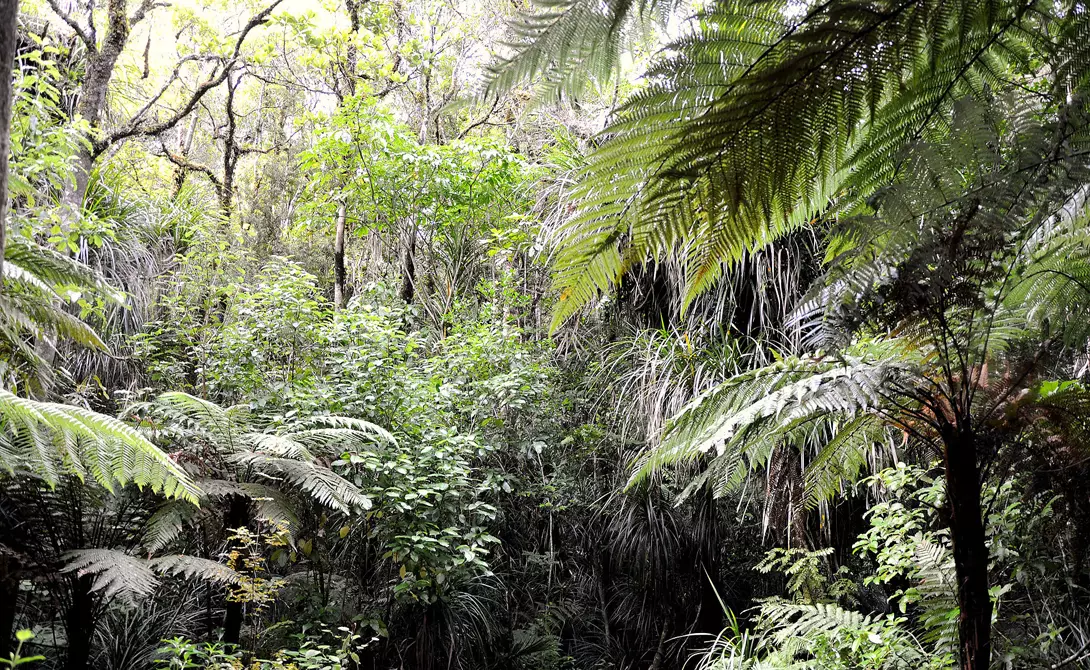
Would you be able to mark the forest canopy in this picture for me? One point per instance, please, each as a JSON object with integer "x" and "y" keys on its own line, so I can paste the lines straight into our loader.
{"x": 544, "y": 335}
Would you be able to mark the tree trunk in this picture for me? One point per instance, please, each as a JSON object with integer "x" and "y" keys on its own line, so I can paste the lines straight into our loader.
{"x": 408, "y": 267}
{"x": 238, "y": 516}
{"x": 92, "y": 102}
{"x": 963, "y": 489}
{"x": 9, "y": 21}
{"x": 80, "y": 624}
{"x": 9, "y": 602}
{"x": 710, "y": 618}
{"x": 339, "y": 276}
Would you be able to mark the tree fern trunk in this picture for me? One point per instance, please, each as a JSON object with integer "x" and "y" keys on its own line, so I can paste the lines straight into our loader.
{"x": 238, "y": 514}
{"x": 408, "y": 266}
{"x": 963, "y": 487}
{"x": 340, "y": 284}
{"x": 9, "y": 22}
{"x": 80, "y": 624}
{"x": 9, "y": 600}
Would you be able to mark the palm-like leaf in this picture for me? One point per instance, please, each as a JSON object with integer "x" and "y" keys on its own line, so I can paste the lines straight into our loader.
{"x": 118, "y": 574}
{"x": 37, "y": 282}
{"x": 560, "y": 39}
{"x": 49, "y": 440}
{"x": 763, "y": 116}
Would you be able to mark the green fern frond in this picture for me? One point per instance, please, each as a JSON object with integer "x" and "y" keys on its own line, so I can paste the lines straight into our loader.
{"x": 324, "y": 485}
{"x": 269, "y": 503}
{"x": 225, "y": 425}
{"x": 559, "y": 39}
{"x": 763, "y": 119}
{"x": 192, "y": 567}
{"x": 167, "y": 524}
{"x": 115, "y": 572}
{"x": 50, "y": 439}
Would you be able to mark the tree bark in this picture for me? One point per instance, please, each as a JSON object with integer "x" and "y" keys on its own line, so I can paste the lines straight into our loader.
{"x": 238, "y": 516}
{"x": 408, "y": 267}
{"x": 9, "y": 20}
{"x": 339, "y": 275}
{"x": 9, "y": 602}
{"x": 80, "y": 624}
{"x": 92, "y": 101}
{"x": 963, "y": 489}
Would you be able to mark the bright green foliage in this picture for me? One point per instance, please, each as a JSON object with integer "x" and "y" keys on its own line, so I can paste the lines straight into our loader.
{"x": 765, "y": 115}
{"x": 16, "y": 659}
{"x": 432, "y": 512}
{"x": 51, "y": 440}
{"x": 181, "y": 654}
{"x": 455, "y": 197}
{"x": 560, "y": 39}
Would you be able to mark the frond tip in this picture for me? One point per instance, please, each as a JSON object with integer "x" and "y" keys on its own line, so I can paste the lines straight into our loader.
{"x": 47, "y": 440}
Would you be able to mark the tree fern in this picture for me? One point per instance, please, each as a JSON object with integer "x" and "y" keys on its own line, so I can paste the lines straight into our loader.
{"x": 265, "y": 467}
{"x": 49, "y": 440}
{"x": 564, "y": 43}
{"x": 762, "y": 118}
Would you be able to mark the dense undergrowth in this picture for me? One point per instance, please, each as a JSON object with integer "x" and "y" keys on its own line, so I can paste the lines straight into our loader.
{"x": 356, "y": 337}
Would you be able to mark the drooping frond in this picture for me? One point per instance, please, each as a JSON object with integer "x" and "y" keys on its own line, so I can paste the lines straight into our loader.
{"x": 269, "y": 503}
{"x": 763, "y": 117}
{"x": 192, "y": 567}
{"x": 331, "y": 421}
{"x": 937, "y": 589}
{"x": 167, "y": 523}
{"x": 789, "y": 401}
{"x": 223, "y": 425}
{"x": 116, "y": 573}
{"x": 324, "y": 485}
{"x": 119, "y": 574}
{"x": 51, "y": 271}
{"x": 568, "y": 42}
{"x": 51, "y": 439}
{"x": 37, "y": 283}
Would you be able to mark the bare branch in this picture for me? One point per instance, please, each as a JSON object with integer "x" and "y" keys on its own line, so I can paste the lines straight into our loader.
{"x": 139, "y": 116}
{"x": 87, "y": 39}
{"x": 134, "y": 128}
{"x": 142, "y": 11}
{"x": 185, "y": 164}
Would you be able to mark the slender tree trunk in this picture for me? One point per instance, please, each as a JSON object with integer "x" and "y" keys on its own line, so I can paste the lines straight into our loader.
{"x": 238, "y": 516}
{"x": 184, "y": 146}
{"x": 603, "y": 599}
{"x": 92, "y": 101}
{"x": 408, "y": 267}
{"x": 9, "y": 20}
{"x": 9, "y": 602}
{"x": 660, "y": 651}
{"x": 963, "y": 489}
{"x": 340, "y": 286}
{"x": 710, "y": 619}
{"x": 80, "y": 625}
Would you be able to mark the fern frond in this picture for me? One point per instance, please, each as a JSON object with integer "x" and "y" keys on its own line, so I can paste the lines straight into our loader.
{"x": 52, "y": 438}
{"x": 116, "y": 573}
{"x": 324, "y": 485}
{"x": 558, "y": 39}
{"x": 167, "y": 523}
{"x": 763, "y": 119}
{"x": 192, "y": 567}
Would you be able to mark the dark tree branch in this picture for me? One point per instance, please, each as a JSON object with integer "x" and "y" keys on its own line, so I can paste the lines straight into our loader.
{"x": 142, "y": 11}
{"x": 87, "y": 38}
{"x": 135, "y": 128}
{"x": 189, "y": 166}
